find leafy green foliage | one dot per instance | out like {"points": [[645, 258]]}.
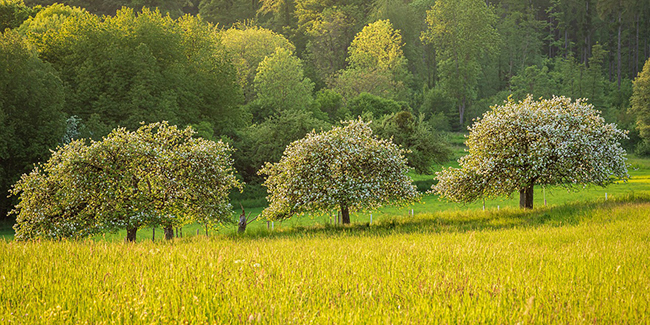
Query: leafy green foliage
{"points": [[248, 46], [130, 68], [547, 142], [345, 167], [377, 46], [424, 145], [463, 31], [376, 64], [156, 175], [280, 84], [266, 141], [641, 102], [31, 105], [330, 34], [377, 106], [13, 13], [350, 83]]}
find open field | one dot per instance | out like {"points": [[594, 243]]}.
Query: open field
{"points": [[576, 263]]}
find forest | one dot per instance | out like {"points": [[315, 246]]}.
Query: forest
{"points": [[260, 74]]}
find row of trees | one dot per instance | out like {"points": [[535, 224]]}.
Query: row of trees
{"points": [[241, 85], [160, 175], [415, 67]]}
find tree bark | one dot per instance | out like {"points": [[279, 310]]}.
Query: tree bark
{"points": [[345, 215], [130, 234], [526, 197], [242, 223], [169, 232]]}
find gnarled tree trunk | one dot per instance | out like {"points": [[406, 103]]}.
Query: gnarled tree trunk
{"points": [[526, 197], [130, 234], [169, 232], [242, 223], [345, 215]]}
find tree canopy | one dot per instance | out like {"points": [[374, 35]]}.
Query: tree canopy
{"points": [[31, 104], [463, 31], [156, 175], [641, 103], [346, 167], [518, 145]]}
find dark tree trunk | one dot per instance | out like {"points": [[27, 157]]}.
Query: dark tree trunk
{"points": [[618, 52], [169, 232], [636, 48], [345, 215], [130, 234], [242, 223], [526, 197]]}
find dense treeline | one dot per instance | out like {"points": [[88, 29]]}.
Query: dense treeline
{"points": [[263, 73]]}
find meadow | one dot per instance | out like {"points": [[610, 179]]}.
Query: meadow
{"points": [[575, 263], [581, 258]]}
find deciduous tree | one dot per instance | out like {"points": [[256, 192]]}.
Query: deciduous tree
{"points": [[250, 45], [31, 111], [346, 168], [518, 145], [280, 83], [156, 175], [462, 31], [641, 102]]}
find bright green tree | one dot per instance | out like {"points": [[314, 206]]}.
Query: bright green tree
{"points": [[518, 145], [462, 32], [249, 45], [31, 111], [280, 84], [378, 46], [156, 175], [346, 168], [641, 102], [133, 67]]}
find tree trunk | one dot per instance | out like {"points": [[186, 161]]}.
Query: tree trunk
{"points": [[461, 111], [345, 215], [169, 232], [130, 234], [242, 223], [636, 48], [618, 52], [526, 197]]}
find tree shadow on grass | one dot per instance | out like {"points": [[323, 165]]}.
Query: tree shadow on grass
{"points": [[459, 221]]}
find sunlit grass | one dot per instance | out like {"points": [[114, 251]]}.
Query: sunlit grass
{"points": [[576, 263]]}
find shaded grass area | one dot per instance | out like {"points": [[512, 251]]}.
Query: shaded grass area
{"points": [[581, 263], [464, 221]]}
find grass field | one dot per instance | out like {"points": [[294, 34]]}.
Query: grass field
{"points": [[580, 259], [569, 264]]}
